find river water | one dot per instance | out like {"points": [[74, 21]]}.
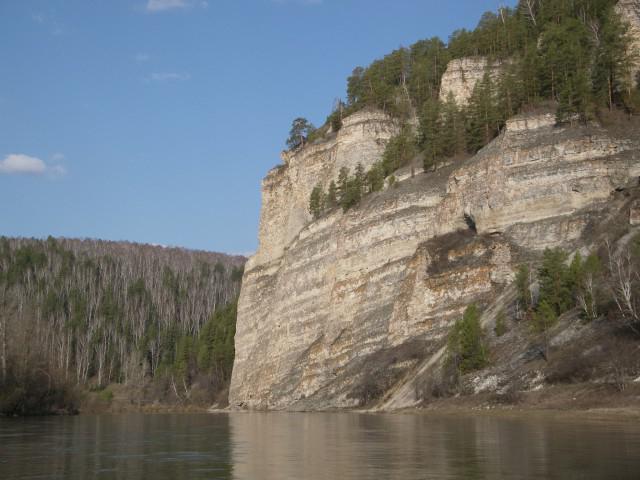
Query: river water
{"points": [[333, 446]]}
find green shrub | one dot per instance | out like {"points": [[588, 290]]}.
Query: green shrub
{"points": [[544, 317], [501, 324], [106, 395], [399, 151], [466, 342]]}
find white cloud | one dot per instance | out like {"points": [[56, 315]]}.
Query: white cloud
{"points": [[169, 77], [57, 157], [155, 6], [21, 164], [161, 5]]}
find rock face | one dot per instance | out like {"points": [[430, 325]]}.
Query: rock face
{"points": [[463, 74], [286, 188], [334, 310], [629, 10]]}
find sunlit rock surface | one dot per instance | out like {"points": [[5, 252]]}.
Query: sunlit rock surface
{"points": [[328, 305], [629, 10], [462, 75]]}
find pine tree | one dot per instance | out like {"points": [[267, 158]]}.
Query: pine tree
{"points": [[555, 281], [316, 202], [482, 118], [544, 317], [343, 184], [523, 283], [500, 327], [466, 342], [612, 79], [452, 136], [375, 178], [430, 133], [301, 128], [359, 178], [353, 194], [399, 151], [510, 93], [332, 196]]}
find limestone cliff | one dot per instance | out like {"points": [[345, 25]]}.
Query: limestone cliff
{"points": [[629, 10], [462, 75], [286, 188], [328, 306]]}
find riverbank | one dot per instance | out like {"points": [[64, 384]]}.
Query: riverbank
{"points": [[579, 400]]}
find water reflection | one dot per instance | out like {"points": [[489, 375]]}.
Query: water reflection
{"points": [[116, 447], [336, 446], [352, 446]]}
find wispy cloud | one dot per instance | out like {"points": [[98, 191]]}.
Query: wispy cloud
{"points": [[49, 21], [155, 6], [169, 77], [142, 57], [21, 164], [161, 5]]}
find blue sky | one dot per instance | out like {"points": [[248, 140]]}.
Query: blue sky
{"points": [[155, 120]]}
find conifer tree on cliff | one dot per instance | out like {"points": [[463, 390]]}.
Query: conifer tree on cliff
{"points": [[316, 202], [301, 128]]}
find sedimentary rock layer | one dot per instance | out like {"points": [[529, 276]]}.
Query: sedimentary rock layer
{"points": [[463, 74], [629, 10], [329, 306]]}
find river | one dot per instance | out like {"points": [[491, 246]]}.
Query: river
{"points": [[332, 446]]}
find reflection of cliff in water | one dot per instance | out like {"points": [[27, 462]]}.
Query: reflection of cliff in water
{"points": [[314, 446], [356, 446]]}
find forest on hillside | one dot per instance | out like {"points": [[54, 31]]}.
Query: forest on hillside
{"points": [[87, 313], [572, 55]]}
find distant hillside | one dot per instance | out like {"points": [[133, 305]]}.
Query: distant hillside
{"points": [[90, 312]]}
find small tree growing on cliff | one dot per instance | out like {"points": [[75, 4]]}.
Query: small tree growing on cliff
{"points": [[375, 178], [331, 200], [301, 128], [466, 342], [343, 184], [399, 151], [316, 202]]}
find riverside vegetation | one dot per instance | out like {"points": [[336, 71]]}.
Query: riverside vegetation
{"points": [[85, 316]]}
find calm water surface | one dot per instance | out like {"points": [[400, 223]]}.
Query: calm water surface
{"points": [[335, 446]]}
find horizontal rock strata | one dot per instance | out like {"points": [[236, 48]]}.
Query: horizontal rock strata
{"points": [[329, 306]]}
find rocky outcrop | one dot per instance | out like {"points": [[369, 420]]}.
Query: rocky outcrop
{"points": [[629, 10], [334, 310], [286, 188], [463, 74]]}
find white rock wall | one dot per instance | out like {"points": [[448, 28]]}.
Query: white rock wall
{"points": [[629, 10], [340, 293], [462, 75], [286, 188]]}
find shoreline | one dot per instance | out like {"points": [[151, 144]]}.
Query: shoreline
{"points": [[501, 411]]}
